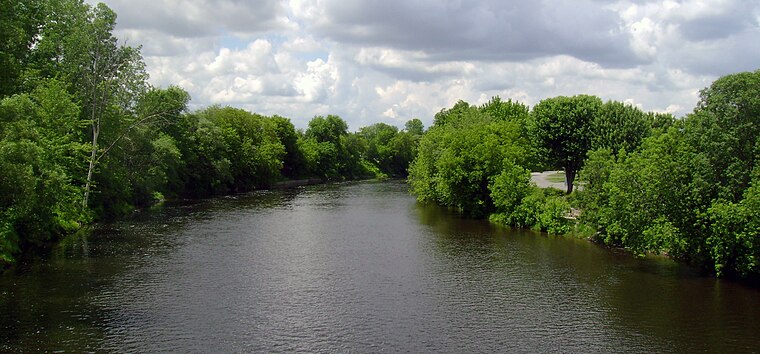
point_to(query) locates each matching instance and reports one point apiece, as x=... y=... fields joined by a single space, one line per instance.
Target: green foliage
x=506 y=110
x=389 y=149
x=690 y=189
x=414 y=127
x=734 y=239
x=19 y=24
x=459 y=156
x=234 y=150
x=379 y=151
x=562 y=129
x=509 y=187
x=454 y=114
x=38 y=157
x=293 y=164
x=618 y=126
x=538 y=209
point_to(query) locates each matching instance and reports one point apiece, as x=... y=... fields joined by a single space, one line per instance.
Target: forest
x=84 y=137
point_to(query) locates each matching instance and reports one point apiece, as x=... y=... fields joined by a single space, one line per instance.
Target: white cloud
x=391 y=61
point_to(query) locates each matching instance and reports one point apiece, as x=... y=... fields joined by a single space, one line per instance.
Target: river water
x=357 y=267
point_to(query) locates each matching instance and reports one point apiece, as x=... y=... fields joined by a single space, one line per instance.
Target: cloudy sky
x=392 y=60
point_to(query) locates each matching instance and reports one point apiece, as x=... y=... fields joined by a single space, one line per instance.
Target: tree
x=40 y=153
x=446 y=116
x=414 y=126
x=293 y=164
x=19 y=26
x=322 y=145
x=378 y=138
x=724 y=128
x=456 y=161
x=505 y=110
x=562 y=128
x=618 y=126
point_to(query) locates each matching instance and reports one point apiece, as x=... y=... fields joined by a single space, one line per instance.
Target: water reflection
x=357 y=267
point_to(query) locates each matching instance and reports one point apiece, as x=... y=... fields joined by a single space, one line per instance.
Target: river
x=357 y=267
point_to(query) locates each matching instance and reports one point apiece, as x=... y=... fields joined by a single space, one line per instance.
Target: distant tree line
x=84 y=137
x=651 y=183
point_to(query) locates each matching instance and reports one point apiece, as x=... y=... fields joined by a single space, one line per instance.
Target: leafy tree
x=618 y=126
x=327 y=129
x=414 y=126
x=724 y=129
x=562 y=127
x=505 y=110
x=690 y=189
x=39 y=154
x=446 y=116
x=19 y=25
x=379 y=150
x=457 y=159
x=331 y=152
x=293 y=164
x=404 y=147
x=250 y=144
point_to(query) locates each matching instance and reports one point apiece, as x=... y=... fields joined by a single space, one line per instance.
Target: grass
x=558 y=177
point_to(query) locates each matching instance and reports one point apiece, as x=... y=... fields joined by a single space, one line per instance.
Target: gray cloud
x=735 y=17
x=489 y=30
x=191 y=19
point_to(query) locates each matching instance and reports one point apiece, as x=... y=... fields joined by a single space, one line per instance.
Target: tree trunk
x=569 y=179
x=93 y=160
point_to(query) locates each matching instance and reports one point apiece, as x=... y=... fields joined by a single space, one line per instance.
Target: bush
x=540 y=209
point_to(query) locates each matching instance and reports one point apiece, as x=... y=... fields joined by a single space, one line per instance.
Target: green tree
x=724 y=129
x=457 y=159
x=379 y=151
x=414 y=126
x=562 y=128
x=20 y=21
x=39 y=154
x=446 y=116
x=618 y=126
x=293 y=164
x=505 y=110
x=330 y=151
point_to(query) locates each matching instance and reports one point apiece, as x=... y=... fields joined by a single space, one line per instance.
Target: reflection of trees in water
x=629 y=302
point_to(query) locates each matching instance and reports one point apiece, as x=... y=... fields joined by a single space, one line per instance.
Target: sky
x=389 y=61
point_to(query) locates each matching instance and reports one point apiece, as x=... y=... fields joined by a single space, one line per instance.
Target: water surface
x=357 y=267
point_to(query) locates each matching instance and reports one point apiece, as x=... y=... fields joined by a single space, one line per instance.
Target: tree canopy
x=562 y=127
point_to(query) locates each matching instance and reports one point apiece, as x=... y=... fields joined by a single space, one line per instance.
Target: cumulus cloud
x=389 y=61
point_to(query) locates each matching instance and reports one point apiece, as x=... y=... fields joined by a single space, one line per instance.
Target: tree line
x=84 y=137
x=687 y=187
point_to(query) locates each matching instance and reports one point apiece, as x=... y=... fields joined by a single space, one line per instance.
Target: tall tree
x=562 y=128
x=20 y=21
x=111 y=75
x=725 y=127
x=414 y=126
x=619 y=126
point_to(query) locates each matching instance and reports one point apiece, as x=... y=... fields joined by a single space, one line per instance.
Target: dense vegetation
x=83 y=136
x=689 y=188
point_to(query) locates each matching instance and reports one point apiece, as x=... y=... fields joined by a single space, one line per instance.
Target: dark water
x=357 y=268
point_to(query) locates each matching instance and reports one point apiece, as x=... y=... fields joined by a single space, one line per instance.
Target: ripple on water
x=359 y=267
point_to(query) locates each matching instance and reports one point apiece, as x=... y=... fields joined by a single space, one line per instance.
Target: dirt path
x=540 y=179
